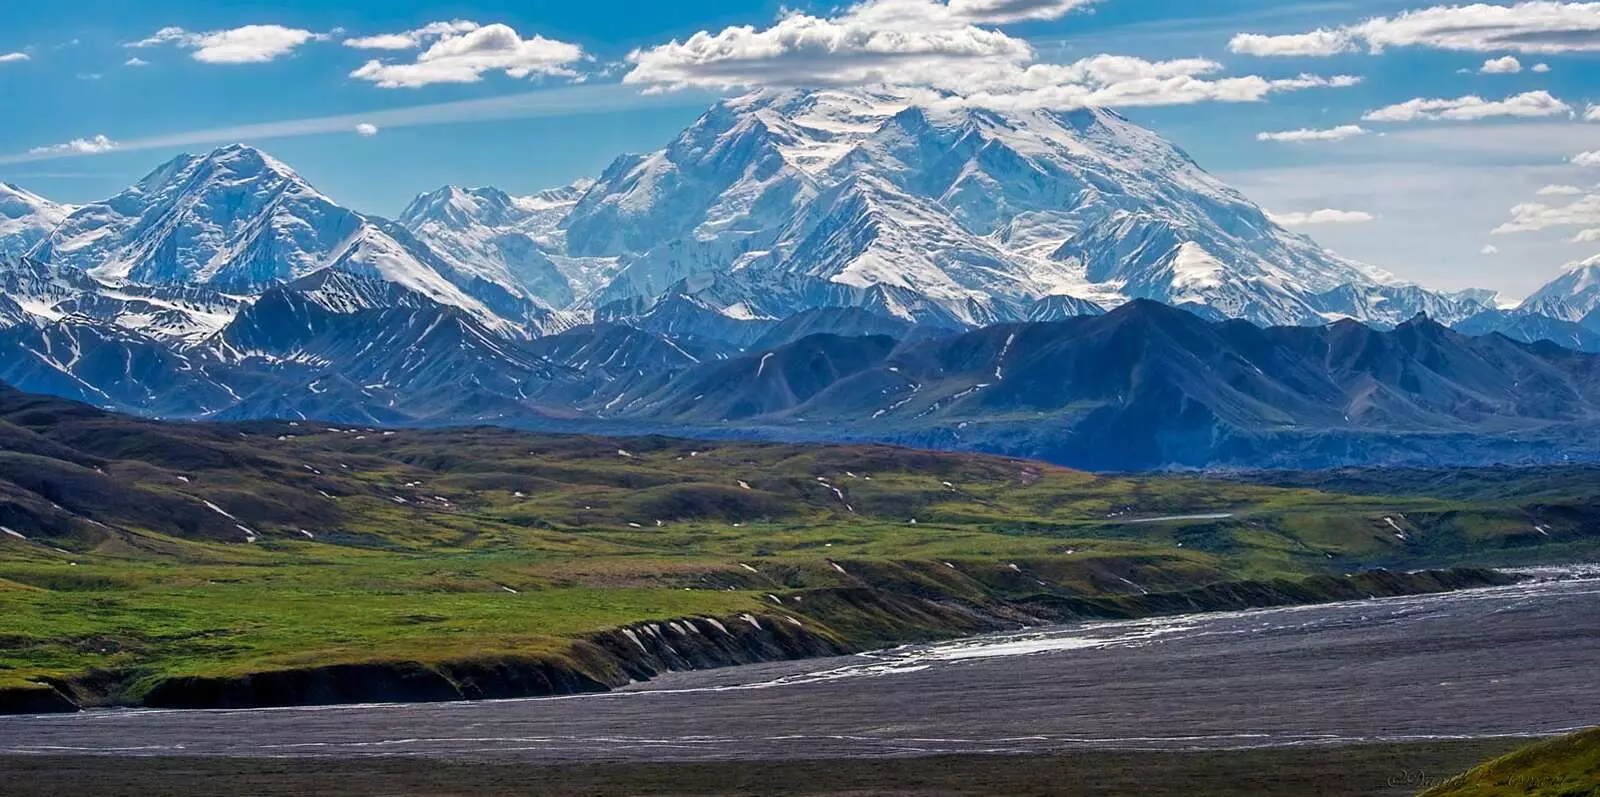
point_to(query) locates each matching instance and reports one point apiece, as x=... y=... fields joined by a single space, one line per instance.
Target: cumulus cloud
x=465 y=56
x=1508 y=65
x=136 y=61
x=1535 y=216
x=1489 y=249
x=1536 y=27
x=11 y=58
x=925 y=44
x=1541 y=68
x=1526 y=105
x=1588 y=236
x=1587 y=158
x=1004 y=11
x=878 y=41
x=1339 y=133
x=94 y=145
x=366 y=129
x=251 y=44
x=1324 y=216
x=1593 y=114
x=1560 y=190
x=412 y=39
x=1319 y=42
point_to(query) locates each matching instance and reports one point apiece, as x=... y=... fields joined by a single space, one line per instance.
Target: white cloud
x=251 y=44
x=1535 y=216
x=1004 y=11
x=459 y=56
x=1536 y=27
x=366 y=129
x=1588 y=236
x=1541 y=68
x=412 y=39
x=12 y=58
x=1339 y=133
x=93 y=145
x=1508 y=65
x=1593 y=114
x=1324 y=216
x=1526 y=105
x=1587 y=158
x=1542 y=26
x=1560 y=190
x=924 y=44
x=1489 y=249
x=877 y=41
x=1123 y=81
x=135 y=61
x=1319 y=42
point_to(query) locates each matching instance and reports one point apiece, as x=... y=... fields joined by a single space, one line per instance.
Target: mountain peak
x=1571 y=296
x=245 y=162
x=25 y=219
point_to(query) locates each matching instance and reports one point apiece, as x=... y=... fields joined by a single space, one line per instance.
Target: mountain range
x=890 y=270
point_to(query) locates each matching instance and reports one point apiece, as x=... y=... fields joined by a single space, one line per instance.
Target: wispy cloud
x=1534 y=216
x=999 y=12
x=1539 y=26
x=1323 y=216
x=1532 y=104
x=1339 y=133
x=566 y=101
x=412 y=39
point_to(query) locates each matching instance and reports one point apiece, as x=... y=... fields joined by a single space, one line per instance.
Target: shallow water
x=1510 y=661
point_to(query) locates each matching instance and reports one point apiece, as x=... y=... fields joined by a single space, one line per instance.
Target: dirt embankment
x=814 y=623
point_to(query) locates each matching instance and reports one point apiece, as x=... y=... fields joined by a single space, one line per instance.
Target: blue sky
x=1419 y=192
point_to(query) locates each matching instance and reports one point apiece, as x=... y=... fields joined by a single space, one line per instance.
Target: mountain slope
x=25 y=219
x=1571 y=296
x=498 y=237
x=1531 y=327
x=1565 y=311
x=1568 y=766
x=42 y=293
x=1149 y=386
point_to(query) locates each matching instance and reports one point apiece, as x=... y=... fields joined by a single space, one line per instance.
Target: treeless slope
x=1566 y=767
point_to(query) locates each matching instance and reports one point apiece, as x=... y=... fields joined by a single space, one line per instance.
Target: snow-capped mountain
x=1388 y=305
x=504 y=239
x=1570 y=297
x=44 y=293
x=980 y=213
x=25 y=219
x=238 y=220
x=1566 y=311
